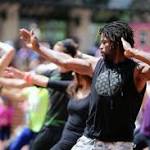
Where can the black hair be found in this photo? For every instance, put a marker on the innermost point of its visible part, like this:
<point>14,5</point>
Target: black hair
<point>70,47</point>
<point>115,30</point>
<point>74,86</point>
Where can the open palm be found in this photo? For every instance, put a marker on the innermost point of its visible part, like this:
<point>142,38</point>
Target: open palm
<point>129,51</point>
<point>29,38</point>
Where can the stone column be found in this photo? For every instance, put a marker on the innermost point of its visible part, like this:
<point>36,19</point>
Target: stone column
<point>10,29</point>
<point>80,27</point>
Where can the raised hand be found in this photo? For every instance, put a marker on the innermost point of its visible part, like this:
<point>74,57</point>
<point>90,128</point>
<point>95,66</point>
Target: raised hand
<point>129,51</point>
<point>30,39</point>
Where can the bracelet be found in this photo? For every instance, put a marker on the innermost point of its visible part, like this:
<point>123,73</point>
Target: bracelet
<point>28,77</point>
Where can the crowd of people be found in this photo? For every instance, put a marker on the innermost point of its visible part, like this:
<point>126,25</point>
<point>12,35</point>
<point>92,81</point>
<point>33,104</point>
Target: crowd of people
<point>78,101</point>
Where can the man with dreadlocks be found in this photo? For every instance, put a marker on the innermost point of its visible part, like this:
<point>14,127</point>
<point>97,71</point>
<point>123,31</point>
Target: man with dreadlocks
<point>118,87</point>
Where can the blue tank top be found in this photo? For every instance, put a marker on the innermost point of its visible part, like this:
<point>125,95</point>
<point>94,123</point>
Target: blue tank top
<point>114,102</point>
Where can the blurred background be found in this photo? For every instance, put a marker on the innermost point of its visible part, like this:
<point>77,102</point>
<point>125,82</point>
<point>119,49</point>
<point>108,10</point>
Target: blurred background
<point>54,20</point>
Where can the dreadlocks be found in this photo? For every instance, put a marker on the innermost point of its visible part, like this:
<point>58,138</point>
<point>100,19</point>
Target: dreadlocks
<point>115,30</point>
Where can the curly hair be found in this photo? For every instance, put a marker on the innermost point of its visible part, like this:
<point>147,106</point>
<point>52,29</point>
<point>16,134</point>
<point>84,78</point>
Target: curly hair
<point>115,30</point>
<point>70,47</point>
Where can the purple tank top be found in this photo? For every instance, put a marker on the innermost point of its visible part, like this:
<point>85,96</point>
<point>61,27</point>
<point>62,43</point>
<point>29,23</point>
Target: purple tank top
<point>145,126</point>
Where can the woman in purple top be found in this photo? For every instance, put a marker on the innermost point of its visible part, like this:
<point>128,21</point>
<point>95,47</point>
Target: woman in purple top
<point>142,138</point>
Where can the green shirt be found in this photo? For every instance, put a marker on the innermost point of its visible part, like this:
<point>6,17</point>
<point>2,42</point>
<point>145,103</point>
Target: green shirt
<point>38,104</point>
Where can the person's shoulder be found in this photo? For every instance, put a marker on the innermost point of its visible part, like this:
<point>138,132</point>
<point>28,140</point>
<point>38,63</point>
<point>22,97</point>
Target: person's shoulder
<point>148,87</point>
<point>99,60</point>
<point>131,62</point>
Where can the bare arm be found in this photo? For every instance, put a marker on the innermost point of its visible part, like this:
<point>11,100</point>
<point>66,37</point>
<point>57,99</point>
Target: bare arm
<point>26,78</point>
<point>66,61</point>
<point>6,57</point>
<point>142,56</point>
<point>14,83</point>
<point>142,72</point>
<point>82,66</point>
<point>135,53</point>
<point>21,83</point>
<point>84,56</point>
<point>141,76</point>
<point>20,79</point>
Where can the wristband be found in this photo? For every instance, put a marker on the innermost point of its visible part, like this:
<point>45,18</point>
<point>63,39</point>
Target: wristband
<point>28,78</point>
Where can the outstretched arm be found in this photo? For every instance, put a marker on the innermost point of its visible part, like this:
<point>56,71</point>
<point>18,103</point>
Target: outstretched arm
<point>75,64</point>
<point>7,55</point>
<point>21,79</point>
<point>135,53</point>
<point>13,83</point>
<point>26,78</point>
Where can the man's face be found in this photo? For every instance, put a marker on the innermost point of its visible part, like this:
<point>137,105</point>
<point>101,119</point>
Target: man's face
<point>106,48</point>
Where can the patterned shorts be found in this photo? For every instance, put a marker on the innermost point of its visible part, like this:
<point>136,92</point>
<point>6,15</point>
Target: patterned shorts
<point>85,143</point>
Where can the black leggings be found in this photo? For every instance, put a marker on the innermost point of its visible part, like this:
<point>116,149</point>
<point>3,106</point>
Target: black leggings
<point>68,140</point>
<point>63,145</point>
<point>47,138</point>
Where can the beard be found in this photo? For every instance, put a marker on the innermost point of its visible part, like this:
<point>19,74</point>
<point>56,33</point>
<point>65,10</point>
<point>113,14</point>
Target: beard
<point>109,57</point>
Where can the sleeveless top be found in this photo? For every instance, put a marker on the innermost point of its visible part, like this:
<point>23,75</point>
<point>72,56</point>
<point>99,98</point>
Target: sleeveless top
<point>38,104</point>
<point>78,112</point>
<point>114,102</point>
<point>145,127</point>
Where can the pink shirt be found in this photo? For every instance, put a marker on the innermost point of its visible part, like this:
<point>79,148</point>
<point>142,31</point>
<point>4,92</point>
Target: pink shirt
<point>6,114</point>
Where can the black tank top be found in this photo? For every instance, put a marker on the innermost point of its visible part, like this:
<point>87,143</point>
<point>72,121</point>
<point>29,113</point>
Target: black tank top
<point>114,102</point>
<point>78,112</point>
